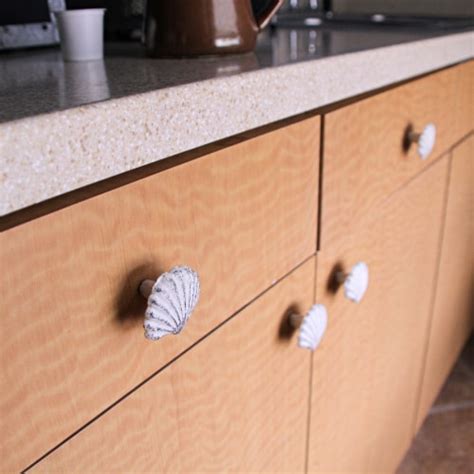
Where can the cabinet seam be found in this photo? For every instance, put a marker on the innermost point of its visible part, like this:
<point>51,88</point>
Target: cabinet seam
<point>320,182</point>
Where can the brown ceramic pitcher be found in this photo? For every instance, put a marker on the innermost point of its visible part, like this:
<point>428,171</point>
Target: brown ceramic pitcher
<point>198,27</point>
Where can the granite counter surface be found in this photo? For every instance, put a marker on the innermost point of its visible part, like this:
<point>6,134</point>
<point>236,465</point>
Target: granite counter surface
<point>67,125</point>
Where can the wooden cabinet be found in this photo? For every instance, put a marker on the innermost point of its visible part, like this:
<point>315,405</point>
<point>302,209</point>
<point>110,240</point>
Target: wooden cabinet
<point>383,205</point>
<point>71,327</point>
<point>82,390</point>
<point>366,372</point>
<point>453,314</point>
<point>237,402</point>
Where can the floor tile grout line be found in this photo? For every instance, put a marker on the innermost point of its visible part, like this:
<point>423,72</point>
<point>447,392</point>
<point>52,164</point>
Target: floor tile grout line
<point>449,407</point>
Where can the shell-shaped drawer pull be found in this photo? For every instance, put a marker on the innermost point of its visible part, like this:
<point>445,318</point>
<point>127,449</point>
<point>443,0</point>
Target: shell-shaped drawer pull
<point>312,326</point>
<point>425,140</point>
<point>355,282</point>
<point>171,300</point>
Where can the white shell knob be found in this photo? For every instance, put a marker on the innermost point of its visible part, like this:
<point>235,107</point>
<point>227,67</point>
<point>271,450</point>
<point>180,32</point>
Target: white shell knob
<point>171,300</point>
<point>425,140</point>
<point>312,326</point>
<point>356,282</point>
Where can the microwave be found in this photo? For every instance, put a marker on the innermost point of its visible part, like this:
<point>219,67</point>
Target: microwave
<point>28,23</point>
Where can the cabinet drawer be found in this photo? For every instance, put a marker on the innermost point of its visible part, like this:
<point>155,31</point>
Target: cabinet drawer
<point>237,402</point>
<point>366,156</point>
<point>71,317</point>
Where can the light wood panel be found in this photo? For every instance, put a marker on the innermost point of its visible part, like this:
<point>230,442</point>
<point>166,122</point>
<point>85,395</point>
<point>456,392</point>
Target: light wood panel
<point>364,154</point>
<point>465,99</point>
<point>71,319</point>
<point>366,373</point>
<point>453,315</point>
<point>237,402</point>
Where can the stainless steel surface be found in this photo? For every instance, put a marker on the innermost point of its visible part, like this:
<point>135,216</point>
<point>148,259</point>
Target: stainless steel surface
<point>439,8</point>
<point>441,14</point>
<point>403,8</point>
<point>37,82</point>
<point>300,18</point>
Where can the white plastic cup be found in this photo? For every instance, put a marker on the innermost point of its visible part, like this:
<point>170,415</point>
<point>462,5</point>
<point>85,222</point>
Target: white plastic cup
<point>81,33</point>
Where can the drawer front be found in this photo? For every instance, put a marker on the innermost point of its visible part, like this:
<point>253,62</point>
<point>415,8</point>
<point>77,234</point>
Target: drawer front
<point>365,147</point>
<point>71,316</point>
<point>237,402</point>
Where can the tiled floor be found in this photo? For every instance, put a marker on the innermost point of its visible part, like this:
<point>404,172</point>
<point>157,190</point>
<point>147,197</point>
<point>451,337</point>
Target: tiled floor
<point>445,443</point>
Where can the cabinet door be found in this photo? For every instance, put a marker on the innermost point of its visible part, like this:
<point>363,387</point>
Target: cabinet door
<point>453,314</point>
<point>242,217</point>
<point>366,373</point>
<point>237,401</point>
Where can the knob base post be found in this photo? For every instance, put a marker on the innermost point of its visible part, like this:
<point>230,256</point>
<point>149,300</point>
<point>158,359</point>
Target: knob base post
<point>295,320</point>
<point>341,277</point>
<point>145,288</point>
<point>414,137</point>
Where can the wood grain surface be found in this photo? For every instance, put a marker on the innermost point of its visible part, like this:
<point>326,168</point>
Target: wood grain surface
<point>367,371</point>
<point>465,98</point>
<point>453,315</point>
<point>237,402</point>
<point>71,318</point>
<point>365,157</point>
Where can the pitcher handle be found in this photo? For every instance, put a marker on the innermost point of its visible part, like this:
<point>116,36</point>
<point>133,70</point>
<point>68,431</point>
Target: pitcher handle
<point>267,12</point>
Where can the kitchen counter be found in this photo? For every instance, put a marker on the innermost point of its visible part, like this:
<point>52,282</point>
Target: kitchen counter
<point>67,125</point>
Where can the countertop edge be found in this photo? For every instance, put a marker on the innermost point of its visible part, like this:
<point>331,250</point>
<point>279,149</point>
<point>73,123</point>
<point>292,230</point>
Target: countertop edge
<point>38,162</point>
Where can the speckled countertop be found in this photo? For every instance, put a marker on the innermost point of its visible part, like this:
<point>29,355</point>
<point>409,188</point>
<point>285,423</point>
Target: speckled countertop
<point>67,125</point>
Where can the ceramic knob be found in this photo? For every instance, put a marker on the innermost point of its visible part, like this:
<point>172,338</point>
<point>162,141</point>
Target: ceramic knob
<point>425,140</point>
<point>355,282</point>
<point>312,326</point>
<point>171,300</point>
